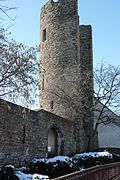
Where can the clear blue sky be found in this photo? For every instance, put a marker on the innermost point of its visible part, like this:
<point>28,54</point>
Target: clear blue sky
<point>103,15</point>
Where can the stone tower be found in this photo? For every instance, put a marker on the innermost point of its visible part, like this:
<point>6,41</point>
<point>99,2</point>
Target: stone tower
<point>63,55</point>
<point>86,61</point>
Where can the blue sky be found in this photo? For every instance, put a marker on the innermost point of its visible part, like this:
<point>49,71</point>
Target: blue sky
<point>103,15</point>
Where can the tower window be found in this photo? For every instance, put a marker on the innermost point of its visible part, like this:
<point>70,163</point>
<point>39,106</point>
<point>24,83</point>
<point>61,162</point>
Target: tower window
<point>42,82</point>
<point>24,134</point>
<point>51,105</point>
<point>44,35</point>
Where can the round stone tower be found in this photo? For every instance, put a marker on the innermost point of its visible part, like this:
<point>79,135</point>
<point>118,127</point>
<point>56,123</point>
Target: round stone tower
<point>62,76</point>
<point>59,49</point>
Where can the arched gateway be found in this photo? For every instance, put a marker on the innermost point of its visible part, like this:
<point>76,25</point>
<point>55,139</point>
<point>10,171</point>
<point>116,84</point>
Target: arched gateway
<point>54,142</point>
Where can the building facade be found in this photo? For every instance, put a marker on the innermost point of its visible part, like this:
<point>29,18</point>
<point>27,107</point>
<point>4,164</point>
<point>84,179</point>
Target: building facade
<point>109,129</point>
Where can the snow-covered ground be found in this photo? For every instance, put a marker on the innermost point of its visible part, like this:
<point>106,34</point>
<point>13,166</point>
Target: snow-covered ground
<point>23,176</point>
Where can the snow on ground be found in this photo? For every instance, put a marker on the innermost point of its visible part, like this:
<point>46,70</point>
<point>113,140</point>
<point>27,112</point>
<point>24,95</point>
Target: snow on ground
<point>59,158</point>
<point>54,159</point>
<point>23,176</point>
<point>93,154</point>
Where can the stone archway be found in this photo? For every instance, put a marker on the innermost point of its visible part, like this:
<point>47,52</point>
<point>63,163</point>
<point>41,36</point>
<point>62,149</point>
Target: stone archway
<point>54,143</point>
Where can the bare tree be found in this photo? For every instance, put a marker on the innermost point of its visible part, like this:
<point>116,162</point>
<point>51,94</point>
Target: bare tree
<point>6,20</point>
<point>19,72</point>
<point>107,94</point>
<point>4,9</point>
<point>19,75</point>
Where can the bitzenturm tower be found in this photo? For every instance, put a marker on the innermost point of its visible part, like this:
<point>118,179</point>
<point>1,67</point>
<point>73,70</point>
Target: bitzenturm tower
<point>61,74</point>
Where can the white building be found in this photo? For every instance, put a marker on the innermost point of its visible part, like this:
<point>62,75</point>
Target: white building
<point>108,129</point>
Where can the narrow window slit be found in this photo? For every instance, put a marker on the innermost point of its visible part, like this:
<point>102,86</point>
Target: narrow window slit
<point>44,35</point>
<point>43,82</point>
<point>24,134</point>
<point>51,105</point>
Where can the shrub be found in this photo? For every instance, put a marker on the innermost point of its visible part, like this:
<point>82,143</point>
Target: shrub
<point>59,165</point>
<point>53,167</point>
<point>7,173</point>
<point>116,157</point>
<point>86,160</point>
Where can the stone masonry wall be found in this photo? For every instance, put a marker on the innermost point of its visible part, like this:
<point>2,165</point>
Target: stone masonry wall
<point>86,60</point>
<point>84,122</point>
<point>24,133</point>
<point>59,58</point>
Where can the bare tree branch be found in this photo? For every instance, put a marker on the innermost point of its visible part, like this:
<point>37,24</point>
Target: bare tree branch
<point>19,75</point>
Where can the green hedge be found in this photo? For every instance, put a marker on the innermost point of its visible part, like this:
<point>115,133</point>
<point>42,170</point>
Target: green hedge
<point>54,167</point>
<point>7,173</point>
